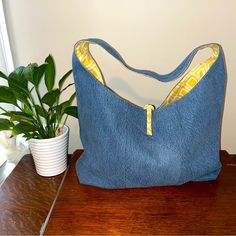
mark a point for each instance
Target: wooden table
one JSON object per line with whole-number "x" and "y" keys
{"x": 26, "y": 199}
{"x": 193, "y": 208}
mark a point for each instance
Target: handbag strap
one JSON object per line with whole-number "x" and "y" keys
{"x": 176, "y": 73}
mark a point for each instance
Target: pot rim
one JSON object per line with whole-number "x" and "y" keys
{"x": 65, "y": 132}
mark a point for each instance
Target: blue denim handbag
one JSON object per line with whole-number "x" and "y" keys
{"x": 128, "y": 146}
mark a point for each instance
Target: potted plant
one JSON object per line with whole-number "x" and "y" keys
{"x": 39, "y": 117}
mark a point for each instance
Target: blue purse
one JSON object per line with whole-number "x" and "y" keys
{"x": 129, "y": 146}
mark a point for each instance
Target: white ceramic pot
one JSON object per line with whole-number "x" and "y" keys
{"x": 50, "y": 155}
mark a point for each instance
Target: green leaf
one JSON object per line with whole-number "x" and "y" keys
{"x": 7, "y": 96}
{"x": 50, "y": 73}
{"x": 31, "y": 135}
{"x": 18, "y": 86}
{"x": 51, "y": 97}
{"x": 2, "y": 75}
{"x": 19, "y": 75}
{"x": 28, "y": 72}
{"x": 22, "y": 98}
{"x": 38, "y": 74}
{"x": 19, "y": 116}
{"x": 63, "y": 79}
{"x": 52, "y": 119}
{"x": 67, "y": 103}
{"x": 71, "y": 111}
{"x": 63, "y": 106}
{"x": 28, "y": 111}
{"x": 28, "y": 136}
{"x": 41, "y": 111}
{"x": 72, "y": 98}
{"x": 5, "y": 124}
{"x": 56, "y": 113}
{"x": 23, "y": 128}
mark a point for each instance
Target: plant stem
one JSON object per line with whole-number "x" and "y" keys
{"x": 39, "y": 97}
{"x": 65, "y": 121}
{"x": 58, "y": 123}
{"x": 67, "y": 87}
{"x": 38, "y": 118}
{"x": 40, "y": 100}
{"x": 3, "y": 109}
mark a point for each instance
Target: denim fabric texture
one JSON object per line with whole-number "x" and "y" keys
{"x": 185, "y": 142}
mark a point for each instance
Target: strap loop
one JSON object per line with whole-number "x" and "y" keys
{"x": 149, "y": 108}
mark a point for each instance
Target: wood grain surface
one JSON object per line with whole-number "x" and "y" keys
{"x": 193, "y": 208}
{"x": 25, "y": 199}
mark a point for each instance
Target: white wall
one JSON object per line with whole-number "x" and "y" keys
{"x": 150, "y": 34}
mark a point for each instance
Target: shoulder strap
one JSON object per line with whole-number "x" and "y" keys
{"x": 181, "y": 68}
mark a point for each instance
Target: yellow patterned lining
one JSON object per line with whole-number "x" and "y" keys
{"x": 191, "y": 78}
{"x": 83, "y": 54}
{"x": 186, "y": 84}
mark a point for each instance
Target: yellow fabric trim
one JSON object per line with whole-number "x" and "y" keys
{"x": 149, "y": 108}
{"x": 83, "y": 54}
{"x": 191, "y": 78}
